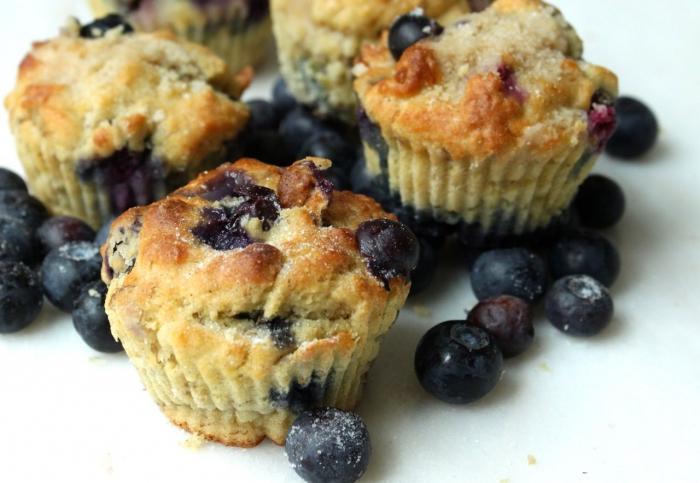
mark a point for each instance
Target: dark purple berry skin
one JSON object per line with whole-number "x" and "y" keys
{"x": 458, "y": 363}
{"x": 99, "y": 27}
{"x": 509, "y": 321}
{"x": 263, "y": 115}
{"x": 512, "y": 271}
{"x": 409, "y": 29}
{"x": 17, "y": 241}
{"x": 329, "y": 445}
{"x": 21, "y": 298}
{"x": 579, "y": 305}
{"x": 59, "y": 230}
{"x": 599, "y": 203}
{"x": 329, "y": 145}
{"x": 90, "y": 319}
{"x": 67, "y": 269}
{"x": 390, "y": 248}
{"x": 22, "y": 207}
{"x": 267, "y": 146}
{"x": 11, "y": 181}
{"x": 283, "y": 100}
{"x": 602, "y": 119}
{"x": 637, "y": 129}
{"x": 103, "y": 232}
{"x": 585, "y": 253}
{"x": 297, "y": 127}
{"x": 424, "y": 274}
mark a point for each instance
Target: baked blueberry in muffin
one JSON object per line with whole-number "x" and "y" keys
{"x": 318, "y": 40}
{"x": 253, "y": 293}
{"x": 490, "y": 123}
{"x": 106, "y": 119}
{"x": 237, "y": 30}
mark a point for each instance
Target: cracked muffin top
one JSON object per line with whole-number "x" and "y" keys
{"x": 369, "y": 17}
{"x": 87, "y": 98}
{"x": 508, "y": 78}
{"x": 252, "y": 247}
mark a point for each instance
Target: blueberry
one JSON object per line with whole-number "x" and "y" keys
{"x": 637, "y": 129}
{"x": 103, "y": 232}
{"x": 330, "y": 145}
{"x": 511, "y": 271}
{"x": 266, "y": 146}
{"x": 479, "y": 5}
{"x": 509, "y": 321}
{"x": 329, "y": 445}
{"x": 600, "y": 202}
{"x": 263, "y": 115}
{"x": 20, "y": 296}
{"x": 90, "y": 319}
{"x": 59, "y": 230}
{"x": 391, "y": 249}
{"x": 17, "y": 241}
{"x": 283, "y": 100}
{"x": 579, "y": 305}
{"x": 300, "y": 397}
{"x": 409, "y": 29}
{"x": 67, "y": 269}
{"x": 362, "y": 182}
{"x": 424, "y": 273}
{"x": 297, "y": 127}
{"x": 22, "y": 206}
{"x": 585, "y": 253}
{"x": 11, "y": 181}
{"x": 99, "y": 27}
{"x": 602, "y": 120}
{"x": 458, "y": 363}
{"x": 338, "y": 178}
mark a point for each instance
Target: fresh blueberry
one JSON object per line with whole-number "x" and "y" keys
{"x": 17, "y": 241}
{"x": 90, "y": 319}
{"x": 103, "y": 232}
{"x": 458, "y": 363}
{"x": 511, "y": 271}
{"x": 283, "y": 100}
{"x": 329, "y": 445}
{"x": 424, "y": 273}
{"x": 11, "y": 181}
{"x": 409, "y": 29}
{"x": 389, "y": 247}
{"x": 585, "y": 253}
{"x": 99, "y": 27}
{"x": 362, "y": 182}
{"x": 266, "y": 146}
{"x": 20, "y": 296}
{"x": 330, "y": 145}
{"x": 23, "y": 207}
{"x": 338, "y": 178}
{"x": 59, "y": 230}
{"x": 637, "y": 129}
{"x": 434, "y": 232}
{"x": 67, "y": 269}
{"x": 579, "y": 305}
{"x": 297, "y": 127}
{"x": 600, "y": 202}
{"x": 509, "y": 321}
{"x": 263, "y": 115}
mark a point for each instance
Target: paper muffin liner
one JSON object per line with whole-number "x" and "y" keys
{"x": 236, "y": 407}
{"x": 512, "y": 194}
{"x": 234, "y": 37}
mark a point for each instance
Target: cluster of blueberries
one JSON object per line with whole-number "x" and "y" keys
{"x": 54, "y": 257}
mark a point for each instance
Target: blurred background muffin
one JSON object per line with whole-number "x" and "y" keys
{"x": 237, "y": 30}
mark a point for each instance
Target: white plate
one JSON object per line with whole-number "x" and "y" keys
{"x": 620, "y": 407}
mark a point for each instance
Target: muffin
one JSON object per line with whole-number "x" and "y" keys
{"x": 318, "y": 40}
{"x": 254, "y": 293}
{"x": 489, "y": 126}
{"x": 237, "y": 30}
{"x": 106, "y": 123}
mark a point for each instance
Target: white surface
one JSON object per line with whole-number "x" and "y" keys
{"x": 620, "y": 407}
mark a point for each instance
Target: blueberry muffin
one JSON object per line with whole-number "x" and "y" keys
{"x": 490, "y": 125}
{"x": 237, "y": 30}
{"x": 108, "y": 122}
{"x": 318, "y": 40}
{"x": 254, "y": 293}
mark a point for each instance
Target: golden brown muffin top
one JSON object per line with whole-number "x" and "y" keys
{"x": 497, "y": 81}
{"x": 369, "y": 17}
{"x": 84, "y": 99}
{"x": 250, "y": 238}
